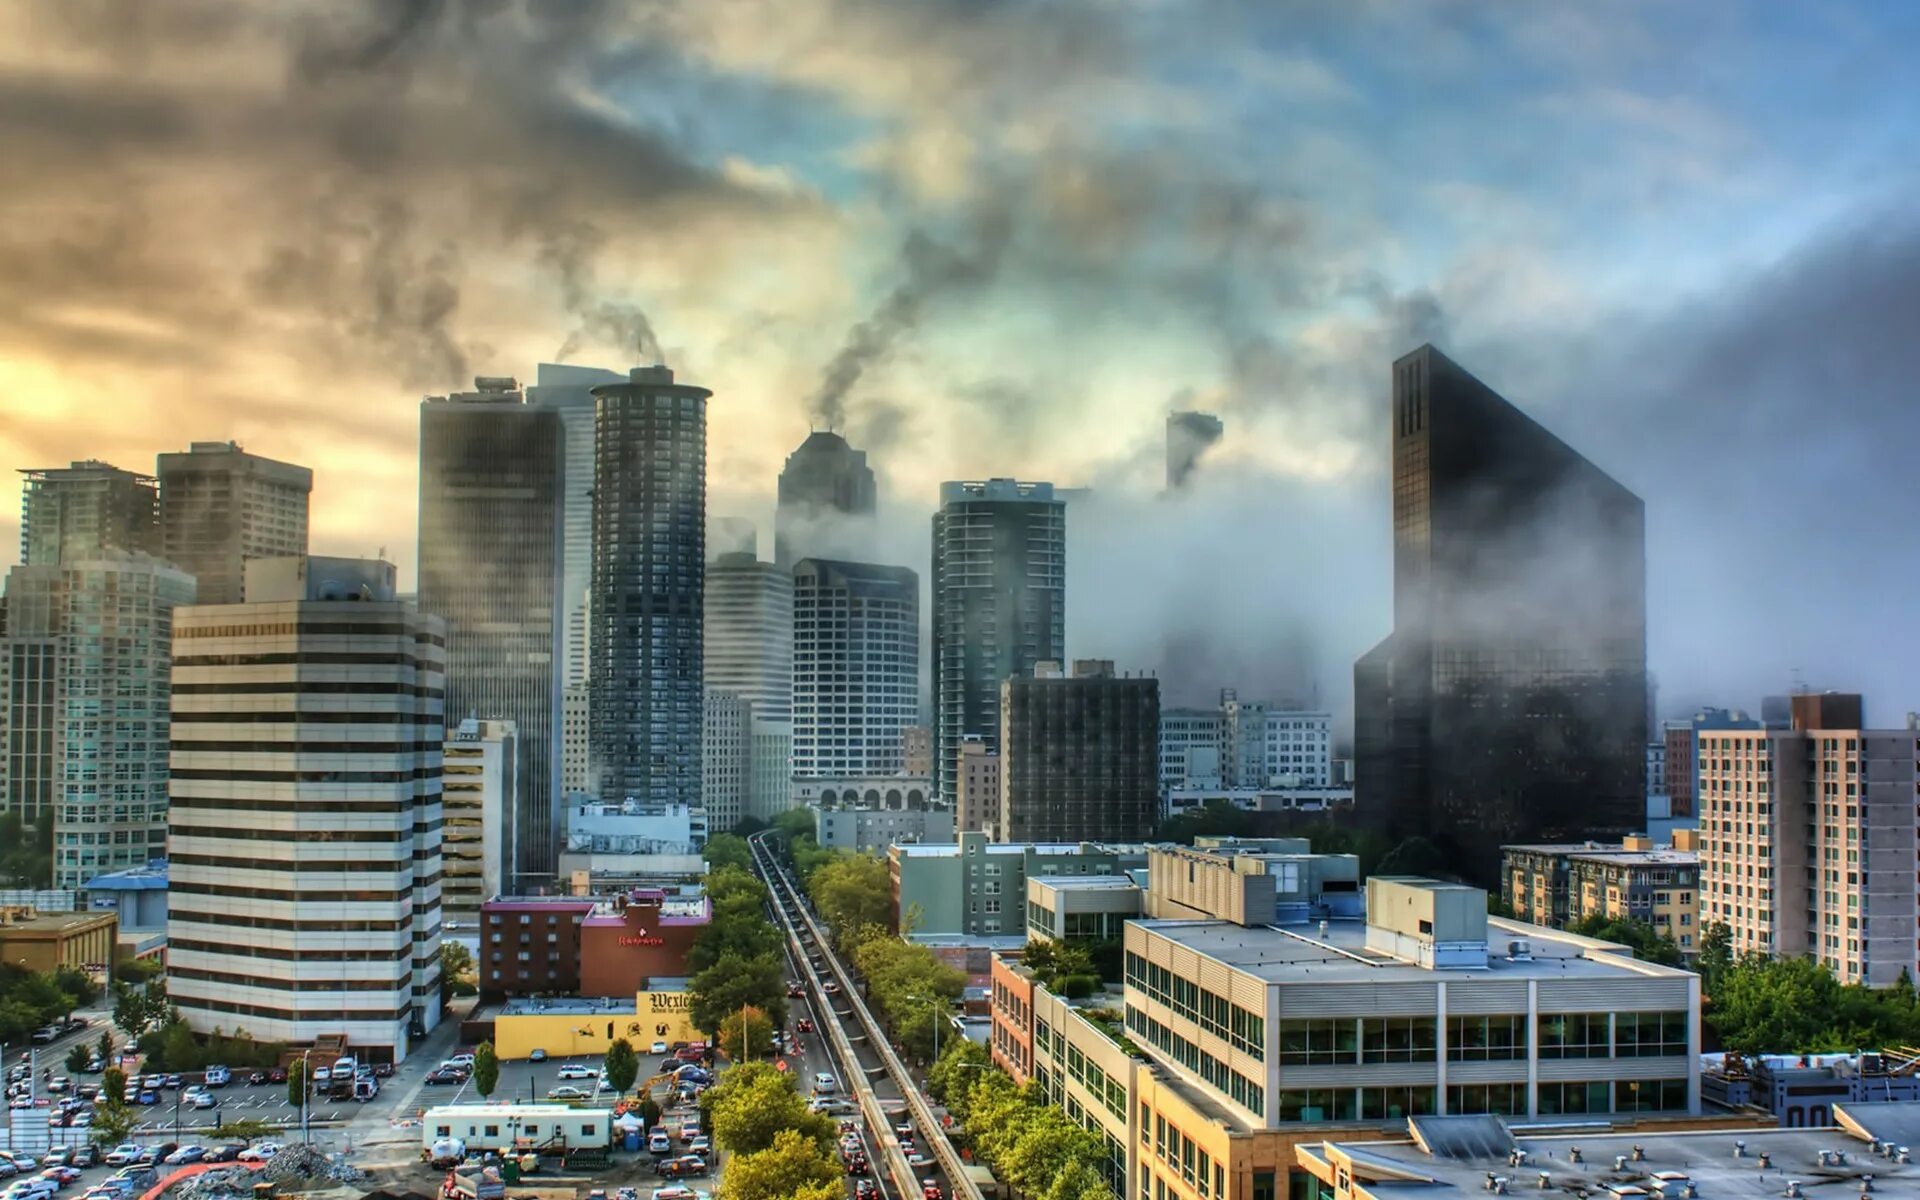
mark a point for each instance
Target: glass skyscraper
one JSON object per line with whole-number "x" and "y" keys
{"x": 1510, "y": 702}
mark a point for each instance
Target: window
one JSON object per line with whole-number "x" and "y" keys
{"x": 1574, "y": 1035}
{"x": 1316, "y": 1104}
{"x": 1396, "y": 1039}
{"x": 1574, "y": 1097}
{"x": 1502, "y": 1099}
{"x": 1498, "y": 1038}
{"x": 1649, "y": 1095}
{"x": 1317, "y": 1041}
{"x": 1649, "y": 1034}
{"x": 1392, "y": 1103}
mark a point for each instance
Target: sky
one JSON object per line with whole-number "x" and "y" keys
{"x": 992, "y": 237}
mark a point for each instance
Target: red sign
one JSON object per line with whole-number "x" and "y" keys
{"x": 626, "y": 940}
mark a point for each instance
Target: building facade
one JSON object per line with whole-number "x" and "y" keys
{"x": 305, "y": 827}
{"x": 492, "y": 485}
{"x": 1679, "y": 760}
{"x": 1079, "y": 755}
{"x": 649, "y": 580}
{"x": 1559, "y": 885}
{"x": 76, "y": 512}
{"x": 978, "y": 887}
{"x": 978, "y": 805}
{"x": 89, "y": 645}
{"x": 726, "y": 757}
{"x": 916, "y": 750}
{"x": 220, "y": 506}
{"x": 1808, "y": 838}
{"x": 567, "y": 391}
{"x": 873, "y": 830}
{"x": 884, "y": 793}
{"x": 1510, "y": 702}
{"x": 770, "y": 771}
{"x": 856, "y": 667}
{"x": 999, "y": 605}
{"x": 749, "y": 632}
{"x": 826, "y": 502}
{"x": 81, "y": 941}
{"x": 478, "y": 776}
{"x": 1245, "y": 744}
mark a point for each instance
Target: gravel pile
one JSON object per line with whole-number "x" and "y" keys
{"x": 213, "y": 1185}
{"x": 303, "y": 1164}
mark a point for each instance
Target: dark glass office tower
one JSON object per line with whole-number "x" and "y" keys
{"x": 492, "y": 500}
{"x": 1510, "y": 702}
{"x": 649, "y": 571}
{"x": 826, "y": 502}
{"x": 999, "y": 605}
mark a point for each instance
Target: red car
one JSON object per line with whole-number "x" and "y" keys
{"x": 929, "y": 1190}
{"x": 866, "y": 1189}
{"x": 857, "y": 1164}
{"x": 796, "y": 989}
{"x": 803, "y": 1026}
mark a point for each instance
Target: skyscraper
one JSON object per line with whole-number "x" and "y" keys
{"x": 478, "y": 804}
{"x": 1509, "y": 703}
{"x": 74, "y": 512}
{"x": 304, "y": 902}
{"x": 88, "y": 645}
{"x": 826, "y": 501}
{"x": 1189, "y": 436}
{"x": 999, "y": 605}
{"x": 649, "y": 575}
{"x": 1079, "y": 755}
{"x": 749, "y": 632}
{"x": 568, "y": 392}
{"x": 726, "y": 757}
{"x": 492, "y": 481}
{"x": 220, "y": 506}
{"x": 856, "y": 667}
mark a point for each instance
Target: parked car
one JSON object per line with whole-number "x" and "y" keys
{"x": 445, "y": 1075}
{"x": 658, "y": 1048}
{"x": 84, "y": 1156}
{"x": 462, "y": 1060}
{"x": 94, "y": 1066}
{"x": 218, "y": 1077}
{"x": 174, "y": 1082}
{"x": 60, "y": 1174}
{"x": 124, "y": 1154}
{"x": 201, "y": 1100}
{"x": 322, "y": 1074}
{"x": 536, "y": 1055}
{"x": 186, "y": 1154}
{"x": 701, "y": 1144}
{"x": 276, "y": 1075}
{"x": 227, "y": 1153}
{"x": 382, "y": 1070}
{"x": 659, "y": 1142}
{"x": 686, "y": 1164}
{"x": 568, "y": 1092}
{"x": 259, "y": 1152}
{"x": 578, "y": 1071}
{"x": 256, "y": 1078}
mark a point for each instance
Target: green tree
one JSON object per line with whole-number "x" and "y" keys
{"x": 486, "y": 1070}
{"x": 753, "y": 1103}
{"x": 1716, "y": 956}
{"x": 734, "y": 982}
{"x": 112, "y": 1116}
{"x": 961, "y": 1062}
{"x": 1647, "y": 944}
{"x": 456, "y": 969}
{"x": 296, "y": 1082}
{"x": 77, "y": 1058}
{"x": 795, "y": 822}
{"x": 138, "y": 970}
{"x": 792, "y": 1167}
{"x": 759, "y": 1035}
{"x": 104, "y": 1047}
{"x": 648, "y": 1110}
{"x": 178, "y": 1050}
{"x": 727, "y": 850}
{"x": 1078, "y": 1180}
{"x": 852, "y": 892}
{"x": 248, "y": 1130}
{"x": 622, "y": 1066}
{"x": 77, "y": 986}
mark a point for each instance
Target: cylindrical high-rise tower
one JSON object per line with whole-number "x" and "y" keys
{"x": 649, "y": 556}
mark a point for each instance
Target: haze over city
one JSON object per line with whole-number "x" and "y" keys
{"x": 1005, "y": 240}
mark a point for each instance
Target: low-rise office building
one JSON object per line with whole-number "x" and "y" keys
{"x": 591, "y": 946}
{"x": 871, "y": 830}
{"x": 1082, "y": 906}
{"x": 978, "y": 887}
{"x": 1302, "y": 798}
{"x": 1561, "y": 884}
{"x": 84, "y": 941}
{"x": 1251, "y": 881}
{"x": 137, "y": 896}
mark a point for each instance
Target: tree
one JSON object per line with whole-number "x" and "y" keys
{"x": 179, "y": 1050}
{"x": 104, "y": 1047}
{"x": 727, "y": 850}
{"x": 112, "y": 1116}
{"x": 1078, "y": 1181}
{"x": 456, "y": 968}
{"x": 795, "y": 822}
{"x": 138, "y": 970}
{"x": 1647, "y": 943}
{"x": 138, "y": 1011}
{"x": 249, "y": 1130}
{"x": 852, "y": 892}
{"x": 77, "y": 1058}
{"x": 622, "y": 1066}
{"x": 754, "y": 1103}
{"x": 486, "y": 1070}
{"x": 1716, "y": 956}
{"x": 961, "y": 1061}
{"x": 759, "y": 1035}
{"x": 77, "y": 986}
{"x": 792, "y": 1166}
{"x": 722, "y": 989}
{"x": 648, "y": 1110}
{"x": 297, "y": 1082}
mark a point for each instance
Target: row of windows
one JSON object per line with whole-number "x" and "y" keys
{"x": 308, "y": 628}
{"x": 1245, "y": 1031}
{"x": 1245, "y": 1092}
{"x": 1181, "y": 1153}
{"x": 1504, "y": 1099}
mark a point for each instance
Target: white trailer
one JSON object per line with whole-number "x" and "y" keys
{"x": 505, "y": 1125}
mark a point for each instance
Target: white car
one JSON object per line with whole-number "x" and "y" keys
{"x": 578, "y": 1071}
{"x": 463, "y": 1061}
{"x": 202, "y": 1100}
{"x": 824, "y": 1083}
{"x": 259, "y": 1153}
{"x": 568, "y": 1092}
{"x": 123, "y": 1154}
{"x": 658, "y": 1048}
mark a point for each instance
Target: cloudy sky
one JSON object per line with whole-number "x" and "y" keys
{"x": 994, "y": 237}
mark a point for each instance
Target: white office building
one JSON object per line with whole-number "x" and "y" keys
{"x": 478, "y": 774}
{"x": 1245, "y": 744}
{"x": 305, "y": 825}
{"x": 726, "y": 757}
{"x": 856, "y": 667}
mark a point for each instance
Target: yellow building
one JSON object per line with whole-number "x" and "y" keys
{"x": 586, "y": 1026}
{"x": 81, "y": 940}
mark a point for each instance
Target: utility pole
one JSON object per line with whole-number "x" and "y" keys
{"x": 306, "y": 1090}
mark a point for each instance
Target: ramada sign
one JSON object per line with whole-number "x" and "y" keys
{"x": 639, "y": 937}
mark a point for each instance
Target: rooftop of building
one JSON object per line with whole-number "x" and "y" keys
{"x": 1664, "y": 856}
{"x": 1589, "y": 849}
{"x": 563, "y": 1006}
{"x": 952, "y": 849}
{"x": 685, "y": 907}
{"x": 513, "y": 903}
{"x": 151, "y": 877}
{"x": 1336, "y": 951}
{"x": 1086, "y": 883}
{"x": 54, "y": 924}
{"x": 1459, "y": 1155}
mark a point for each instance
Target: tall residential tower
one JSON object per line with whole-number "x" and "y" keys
{"x": 856, "y": 667}
{"x": 220, "y": 506}
{"x": 999, "y": 605}
{"x": 649, "y": 576}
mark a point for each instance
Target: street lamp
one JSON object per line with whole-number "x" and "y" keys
{"x": 939, "y": 1018}
{"x": 306, "y": 1089}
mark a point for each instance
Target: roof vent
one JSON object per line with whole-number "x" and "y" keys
{"x": 1739, "y": 1149}
{"x": 1519, "y": 950}
{"x": 1793, "y": 1189}
{"x": 1546, "y": 1181}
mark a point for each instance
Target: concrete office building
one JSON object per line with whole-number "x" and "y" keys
{"x": 1247, "y": 744}
{"x": 916, "y": 750}
{"x": 1251, "y": 881}
{"x": 492, "y": 497}
{"x": 478, "y": 777}
{"x": 220, "y": 506}
{"x": 749, "y": 632}
{"x": 885, "y": 793}
{"x": 1558, "y": 885}
{"x": 1510, "y": 702}
{"x": 76, "y": 512}
{"x": 770, "y": 773}
{"x": 1079, "y": 755}
{"x": 1259, "y": 799}
{"x": 856, "y": 667}
{"x": 873, "y": 830}
{"x": 649, "y": 581}
{"x": 978, "y": 805}
{"x": 1190, "y": 745}
{"x": 567, "y": 391}
{"x": 576, "y": 773}
{"x": 726, "y": 757}
{"x": 826, "y": 502}
{"x": 137, "y": 896}
{"x": 633, "y": 827}
{"x": 1189, "y": 436}
{"x": 999, "y": 605}
{"x": 89, "y": 652}
{"x": 1094, "y": 907}
{"x": 1807, "y": 839}
{"x": 304, "y": 891}
{"x": 978, "y": 887}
